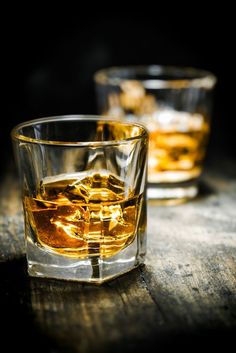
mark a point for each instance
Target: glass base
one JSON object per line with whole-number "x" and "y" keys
{"x": 96, "y": 270}
{"x": 172, "y": 193}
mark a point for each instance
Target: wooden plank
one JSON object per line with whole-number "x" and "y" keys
{"x": 185, "y": 293}
{"x": 11, "y": 219}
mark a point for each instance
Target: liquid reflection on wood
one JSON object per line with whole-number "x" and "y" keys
{"x": 86, "y": 318}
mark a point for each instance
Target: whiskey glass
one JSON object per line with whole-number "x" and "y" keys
{"x": 83, "y": 181}
{"x": 174, "y": 104}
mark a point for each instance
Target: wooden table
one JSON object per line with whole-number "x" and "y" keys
{"x": 185, "y": 295}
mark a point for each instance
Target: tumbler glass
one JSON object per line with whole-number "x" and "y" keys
{"x": 83, "y": 182}
{"x": 174, "y": 104}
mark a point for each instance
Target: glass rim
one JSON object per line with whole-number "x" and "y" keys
{"x": 198, "y": 78}
{"x": 15, "y": 135}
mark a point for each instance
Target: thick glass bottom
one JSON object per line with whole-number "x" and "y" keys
{"x": 96, "y": 270}
{"x": 172, "y": 193}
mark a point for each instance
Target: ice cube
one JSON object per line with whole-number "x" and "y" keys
{"x": 78, "y": 192}
{"x": 172, "y": 120}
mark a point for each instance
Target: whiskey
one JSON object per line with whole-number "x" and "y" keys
{"x": 177, "y": 139}
{"x": 83, "y": 215}
{"x": 177, "y": 145}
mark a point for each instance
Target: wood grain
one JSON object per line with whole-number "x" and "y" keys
{"x": 185, "y": 293}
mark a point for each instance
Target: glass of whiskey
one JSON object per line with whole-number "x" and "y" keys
{"x": 174, "y": 104}
{"x": 83, "y": 182}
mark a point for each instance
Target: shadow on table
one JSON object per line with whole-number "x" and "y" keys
{"x": 205, "y": 190}
{"x": 18, "y": 329}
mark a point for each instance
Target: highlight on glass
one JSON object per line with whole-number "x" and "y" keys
{"x": 174, "y": 104}
{"x": 83, "y": 181}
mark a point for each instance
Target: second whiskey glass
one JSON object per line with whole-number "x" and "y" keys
{"x": 174, "y": 103}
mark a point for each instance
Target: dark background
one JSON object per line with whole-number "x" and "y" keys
{"x": 49, "y": 62}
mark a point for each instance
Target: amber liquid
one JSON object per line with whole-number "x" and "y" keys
{"x": 176, "y": 154}
{"x": 83, "y": 216}
{"x": 177, "y": 139}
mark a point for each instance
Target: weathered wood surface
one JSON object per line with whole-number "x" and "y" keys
{"x": 185, "y": 295}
